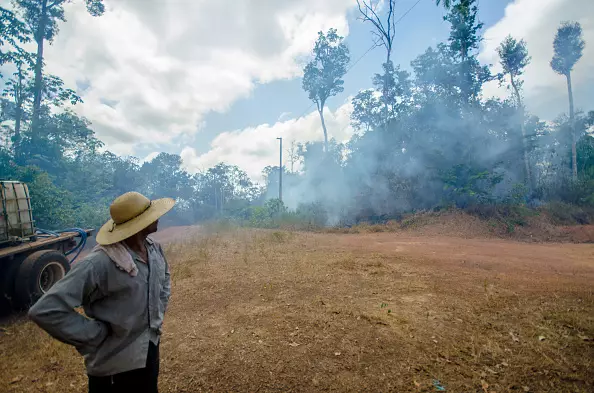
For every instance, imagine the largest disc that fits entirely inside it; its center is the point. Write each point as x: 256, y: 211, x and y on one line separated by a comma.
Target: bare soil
x: 270, y: 311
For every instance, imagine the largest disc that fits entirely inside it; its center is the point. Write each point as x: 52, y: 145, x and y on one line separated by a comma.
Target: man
x: 124, y: 287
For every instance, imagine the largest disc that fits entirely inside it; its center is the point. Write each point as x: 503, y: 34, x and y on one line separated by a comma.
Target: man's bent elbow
x: 34, y: 316
x: 36, y: 313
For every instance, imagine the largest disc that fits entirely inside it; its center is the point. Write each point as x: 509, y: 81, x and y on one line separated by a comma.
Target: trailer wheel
x: 38, y: 273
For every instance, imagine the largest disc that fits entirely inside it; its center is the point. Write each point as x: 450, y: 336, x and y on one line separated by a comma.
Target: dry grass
x: 535, y: 227
x: 279, y: 311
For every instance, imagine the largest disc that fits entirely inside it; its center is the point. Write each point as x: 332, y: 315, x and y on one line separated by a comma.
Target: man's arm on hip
x: 55, y: 311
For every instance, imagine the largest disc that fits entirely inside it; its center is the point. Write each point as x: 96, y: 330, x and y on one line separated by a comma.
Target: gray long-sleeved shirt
x: 125, y: 312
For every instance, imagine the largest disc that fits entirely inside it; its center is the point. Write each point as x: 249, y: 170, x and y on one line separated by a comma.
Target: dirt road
x: 276, y: 311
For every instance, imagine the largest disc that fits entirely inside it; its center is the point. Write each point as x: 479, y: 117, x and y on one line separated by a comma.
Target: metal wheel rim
x: 49, y: 275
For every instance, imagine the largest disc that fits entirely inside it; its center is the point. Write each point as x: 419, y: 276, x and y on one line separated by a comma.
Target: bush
x: 274, y: 214
x: 562, y: 213
x: 509, y: 215
x: 580, y: 193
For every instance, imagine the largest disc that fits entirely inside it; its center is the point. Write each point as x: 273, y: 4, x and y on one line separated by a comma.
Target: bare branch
x: 374, y: 18
x: 385, y: 34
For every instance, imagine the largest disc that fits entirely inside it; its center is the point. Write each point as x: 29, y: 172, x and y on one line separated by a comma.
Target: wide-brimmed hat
x: 130, y: 214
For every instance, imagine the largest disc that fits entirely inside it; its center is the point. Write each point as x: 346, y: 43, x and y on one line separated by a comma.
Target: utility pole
x: 280, y: 171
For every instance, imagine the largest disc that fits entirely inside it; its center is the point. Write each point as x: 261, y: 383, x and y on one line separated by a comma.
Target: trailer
x: 32, y: 260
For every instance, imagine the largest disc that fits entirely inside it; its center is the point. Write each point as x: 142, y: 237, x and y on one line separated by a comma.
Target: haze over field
x: 373, y: 125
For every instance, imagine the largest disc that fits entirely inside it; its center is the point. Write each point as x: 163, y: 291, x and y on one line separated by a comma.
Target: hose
x: 78, y: 248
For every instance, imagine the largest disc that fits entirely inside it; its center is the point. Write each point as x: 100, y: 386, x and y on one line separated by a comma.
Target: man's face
x: 152, y: 228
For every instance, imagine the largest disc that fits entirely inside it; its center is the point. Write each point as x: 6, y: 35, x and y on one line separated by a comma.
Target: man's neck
x: 136, y: 243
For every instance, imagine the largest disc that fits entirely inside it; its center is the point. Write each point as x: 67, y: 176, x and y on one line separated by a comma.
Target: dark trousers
x: 140, y: 380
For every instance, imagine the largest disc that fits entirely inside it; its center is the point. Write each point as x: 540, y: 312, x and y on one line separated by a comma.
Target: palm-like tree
x: 569, y: 47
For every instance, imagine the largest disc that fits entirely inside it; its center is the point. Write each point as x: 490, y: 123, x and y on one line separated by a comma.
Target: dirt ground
x: 272, y: 311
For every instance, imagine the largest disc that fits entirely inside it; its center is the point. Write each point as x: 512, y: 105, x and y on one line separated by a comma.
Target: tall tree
x: 19, y: 88
x: 514, y: 58
x: 384, y: 31
x: 384, y: 34
x: 322, y: 77
x: 13, y: 34
x: 569, y: 46
x: 464, y: 41
x: 42, y: 17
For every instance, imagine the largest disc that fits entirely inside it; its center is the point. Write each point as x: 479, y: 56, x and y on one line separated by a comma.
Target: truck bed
x: 38, y: 244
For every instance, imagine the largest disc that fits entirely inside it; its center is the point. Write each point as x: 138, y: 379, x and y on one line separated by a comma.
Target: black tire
x: 38, y: 273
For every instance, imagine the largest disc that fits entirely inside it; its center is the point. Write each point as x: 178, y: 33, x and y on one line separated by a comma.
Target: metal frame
x: 40, y: 244
x: 10, y: 229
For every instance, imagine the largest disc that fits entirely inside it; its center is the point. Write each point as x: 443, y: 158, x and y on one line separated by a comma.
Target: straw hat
x: 130, y: 214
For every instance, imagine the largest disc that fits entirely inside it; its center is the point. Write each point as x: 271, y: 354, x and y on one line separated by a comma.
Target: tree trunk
x: 527, y: 172
x: 385, y: 92
x: 574, y: 172
x: 321, y: 112
x: 18, y: 117
x: 38, y: 87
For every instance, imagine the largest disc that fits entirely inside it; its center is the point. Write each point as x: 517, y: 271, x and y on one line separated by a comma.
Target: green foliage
x: 366, y: 114
x: 322, y: 77
x: 518, y: 195
x: 52, y: 206
x: 464, y: 37
x: 569, y: 46
x: 446, y: 3
x: 13, y: 34
x: 467, y: 185
x: 505, y: 215
x: 585, y: 151
x: 513, y: 56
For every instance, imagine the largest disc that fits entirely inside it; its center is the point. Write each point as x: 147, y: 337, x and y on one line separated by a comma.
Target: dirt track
x: 276, y: 311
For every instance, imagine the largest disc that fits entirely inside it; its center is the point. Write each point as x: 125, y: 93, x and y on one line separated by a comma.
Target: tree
x: 367, y: 108
x: 464, y: 39
x: 384, y: 33
x: 18, y: 90
x: 165, y: 176
x: 322, y: 77
x: 446, y: 3
x: 569, y: 46
x: 42, y: 17
x: 396, y: 90
x: 293, y: 155
x: 514, y: 58
x: 13, y: 33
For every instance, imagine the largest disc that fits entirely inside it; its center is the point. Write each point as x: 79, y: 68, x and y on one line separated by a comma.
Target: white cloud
x: 151, y: 156
x: 254, y: 148
x: 284, y: 115
x: 162, y: 65
x: 536, y: 21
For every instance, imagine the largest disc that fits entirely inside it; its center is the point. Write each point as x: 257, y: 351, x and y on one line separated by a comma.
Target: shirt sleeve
x: 166, y: 287
x: 54, y: 312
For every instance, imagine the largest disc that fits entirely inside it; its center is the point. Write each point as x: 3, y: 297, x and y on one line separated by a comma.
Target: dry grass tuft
x: 256, y: 310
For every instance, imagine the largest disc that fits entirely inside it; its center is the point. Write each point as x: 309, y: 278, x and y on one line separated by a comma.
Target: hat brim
x: 110, y: 234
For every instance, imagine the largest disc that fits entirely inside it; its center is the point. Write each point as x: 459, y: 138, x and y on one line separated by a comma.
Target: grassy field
x: 271, y: 311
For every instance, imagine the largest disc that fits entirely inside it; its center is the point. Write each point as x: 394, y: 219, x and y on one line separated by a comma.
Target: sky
x: 220, y: 80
